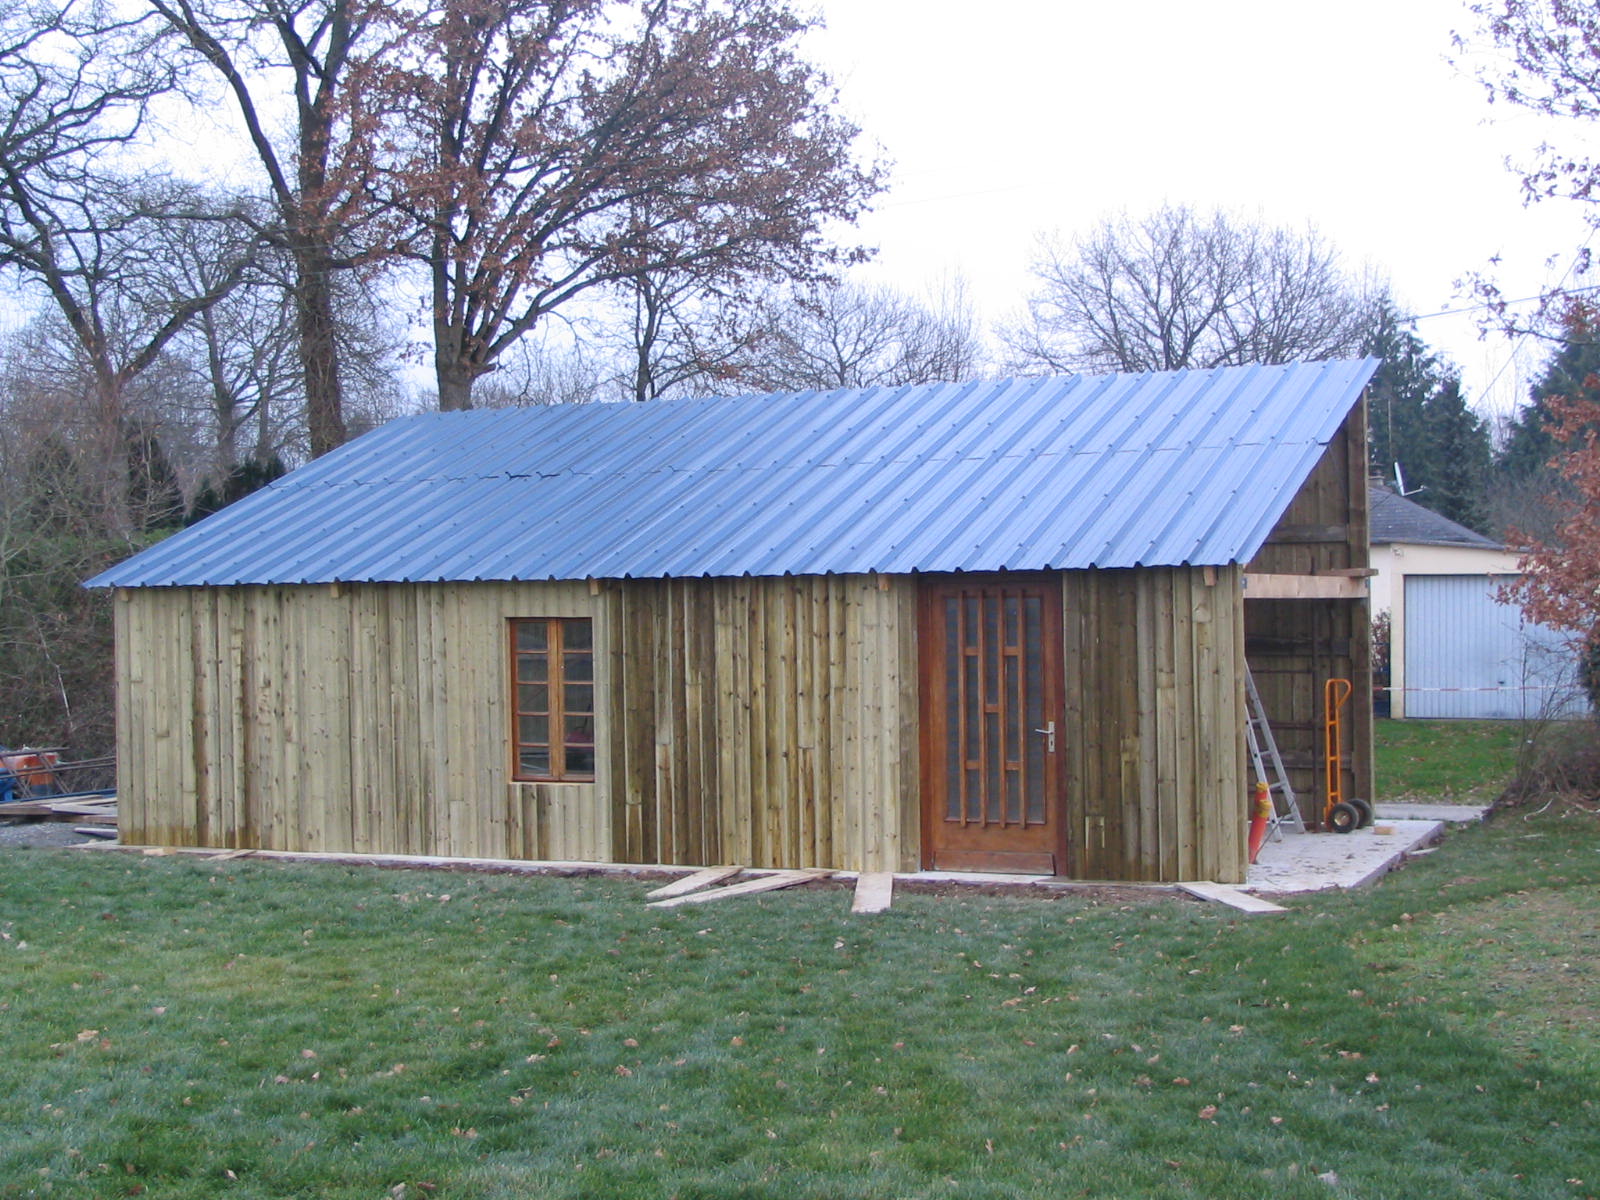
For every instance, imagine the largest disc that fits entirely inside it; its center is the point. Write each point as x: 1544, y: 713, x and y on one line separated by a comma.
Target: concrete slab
x: 1313, y: 862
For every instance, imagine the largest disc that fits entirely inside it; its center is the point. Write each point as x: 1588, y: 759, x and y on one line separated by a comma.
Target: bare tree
x: 1546, y: 60
x: 846, y: 335
x: 317, y: 165
x: 552, y: 148
x: 541, y: 371
x: 680, y: 336
x: 1178, y: 289
x: 73, y: 94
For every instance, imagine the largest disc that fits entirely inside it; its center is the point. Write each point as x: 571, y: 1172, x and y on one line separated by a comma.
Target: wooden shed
x: 997, y: 626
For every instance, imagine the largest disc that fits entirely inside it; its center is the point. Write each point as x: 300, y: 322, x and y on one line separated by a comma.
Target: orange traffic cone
x: 1260, y: 818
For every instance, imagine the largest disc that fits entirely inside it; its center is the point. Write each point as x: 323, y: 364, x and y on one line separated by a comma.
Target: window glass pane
x: 1033, y: 671
x: 991, y: 652
x: 953, y: 774
x: 991, y: 774
x: 553, y: 732
x: 974, y: 708
x: 1008, y: 702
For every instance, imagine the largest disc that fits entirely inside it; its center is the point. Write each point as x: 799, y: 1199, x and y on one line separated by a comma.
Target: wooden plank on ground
x: 693, y: 883
x: 1221, y: 893
x: 227, y: 854
x: 764, y: 883
x: 81, y: 808
x: 874, y: 892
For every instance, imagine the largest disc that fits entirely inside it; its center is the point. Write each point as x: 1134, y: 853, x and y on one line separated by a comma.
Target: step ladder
x: 1268, y: 764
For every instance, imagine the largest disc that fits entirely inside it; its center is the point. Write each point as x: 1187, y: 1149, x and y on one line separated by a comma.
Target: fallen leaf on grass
x: 1208, y: 1112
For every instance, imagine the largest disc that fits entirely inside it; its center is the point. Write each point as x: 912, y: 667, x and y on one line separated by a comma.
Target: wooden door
x: 991, y: 707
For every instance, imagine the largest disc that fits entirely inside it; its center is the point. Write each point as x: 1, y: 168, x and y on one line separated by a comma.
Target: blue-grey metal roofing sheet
x: 1112, y: 471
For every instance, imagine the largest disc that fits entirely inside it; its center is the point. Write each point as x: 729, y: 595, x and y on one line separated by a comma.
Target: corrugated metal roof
x: 1110, y: 471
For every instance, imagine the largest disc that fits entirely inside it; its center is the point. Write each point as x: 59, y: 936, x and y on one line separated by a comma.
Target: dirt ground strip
x: 59, y: 835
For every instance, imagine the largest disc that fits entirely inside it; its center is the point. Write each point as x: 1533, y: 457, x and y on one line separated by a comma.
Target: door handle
x: 1049, y: 732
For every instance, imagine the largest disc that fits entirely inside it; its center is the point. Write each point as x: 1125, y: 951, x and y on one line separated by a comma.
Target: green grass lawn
x: 1466, y: 762
x: 177, y: 1028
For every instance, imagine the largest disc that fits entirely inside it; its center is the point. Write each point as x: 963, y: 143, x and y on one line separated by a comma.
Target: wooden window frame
x: 555, y: 655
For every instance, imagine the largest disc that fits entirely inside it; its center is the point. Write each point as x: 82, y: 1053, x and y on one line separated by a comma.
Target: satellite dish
x: 1400, y: 483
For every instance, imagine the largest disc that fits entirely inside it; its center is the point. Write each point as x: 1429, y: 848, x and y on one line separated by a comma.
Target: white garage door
x: 1469, y: 656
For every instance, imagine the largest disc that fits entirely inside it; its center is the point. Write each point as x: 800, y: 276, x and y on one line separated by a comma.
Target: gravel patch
x: 48, y: 835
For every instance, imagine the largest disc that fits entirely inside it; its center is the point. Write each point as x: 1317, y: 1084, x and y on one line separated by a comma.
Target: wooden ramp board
x: 874, y: 892
x: 764, y: 883
x: 1221, y: 893
x: 693, y: 883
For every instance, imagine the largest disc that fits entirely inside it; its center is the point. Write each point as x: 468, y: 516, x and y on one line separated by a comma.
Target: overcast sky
x: 1009, y: 117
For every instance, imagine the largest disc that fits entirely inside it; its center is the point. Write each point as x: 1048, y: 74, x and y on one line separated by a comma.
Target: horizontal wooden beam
x: 1303, y: 587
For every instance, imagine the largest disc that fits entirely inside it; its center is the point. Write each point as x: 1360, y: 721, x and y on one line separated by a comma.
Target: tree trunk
x: 452, y: 370
x: 107, y: 462
x: 319, y: 352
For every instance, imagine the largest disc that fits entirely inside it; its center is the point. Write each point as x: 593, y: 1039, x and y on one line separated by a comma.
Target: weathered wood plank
x: 693, y: 883
x: 1219, y: 893
x: 1262, y: 586
x: 874, y: 892
x: 766, y: 883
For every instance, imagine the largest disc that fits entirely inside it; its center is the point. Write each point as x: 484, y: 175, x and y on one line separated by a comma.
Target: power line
x: 1453, y: 312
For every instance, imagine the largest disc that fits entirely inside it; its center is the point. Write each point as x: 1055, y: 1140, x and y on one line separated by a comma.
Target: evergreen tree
x: 1529, y: 447
x: 1527, y: 492
x: 1457, y: 471
x: 240, y: 480
x: 1418, y: 419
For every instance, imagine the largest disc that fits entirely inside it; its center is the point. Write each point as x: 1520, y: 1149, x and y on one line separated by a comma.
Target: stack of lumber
x: 84, y: 810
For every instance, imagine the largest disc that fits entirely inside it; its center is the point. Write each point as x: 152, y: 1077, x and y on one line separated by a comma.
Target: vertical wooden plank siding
x: 771, y: 722
x: 1155, y: 774
x: 764, y: 721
